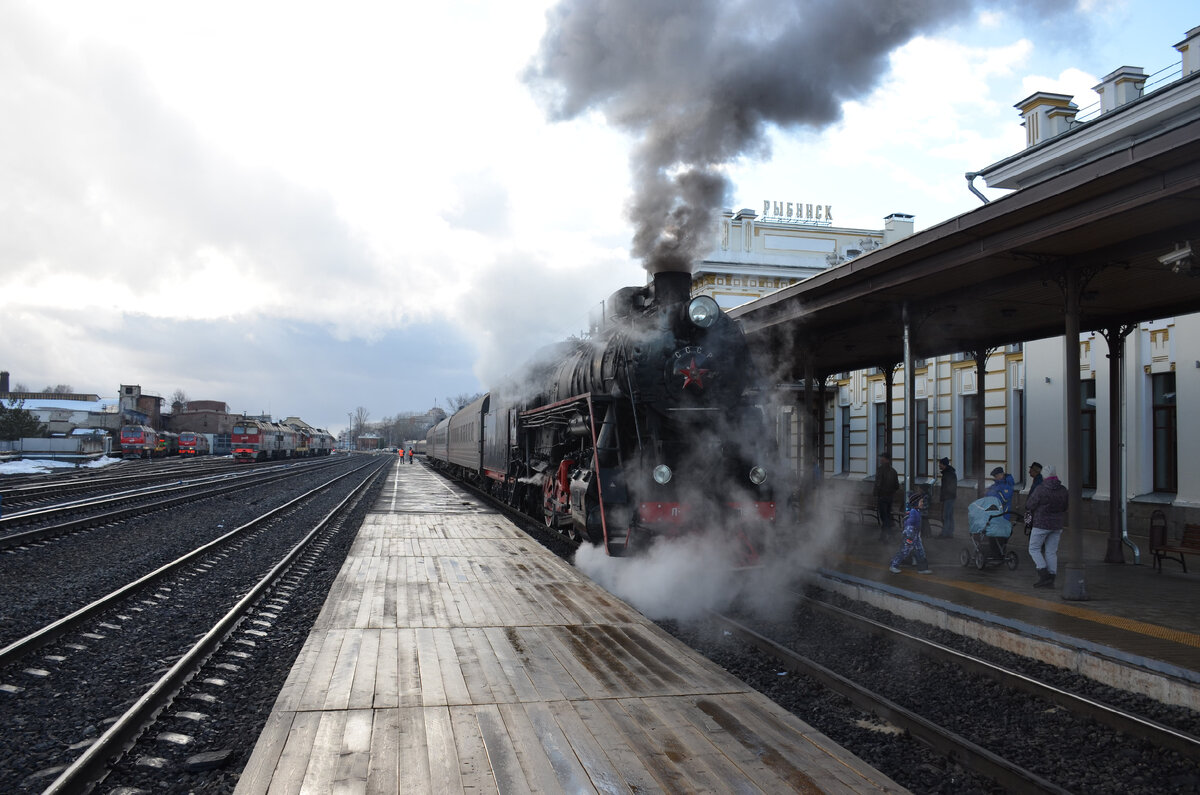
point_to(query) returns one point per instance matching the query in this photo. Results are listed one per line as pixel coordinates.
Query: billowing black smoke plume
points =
(700, 81)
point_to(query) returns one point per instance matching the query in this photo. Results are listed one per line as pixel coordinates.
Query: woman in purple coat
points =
(1048, 506)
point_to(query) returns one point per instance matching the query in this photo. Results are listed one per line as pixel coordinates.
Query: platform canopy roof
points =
(995, 275)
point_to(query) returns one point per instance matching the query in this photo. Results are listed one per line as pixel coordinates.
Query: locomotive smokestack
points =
(672, 287)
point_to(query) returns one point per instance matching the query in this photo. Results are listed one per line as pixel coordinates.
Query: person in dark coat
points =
(948, 494)
(887, 483)
(1035, 479)
(1048, 506)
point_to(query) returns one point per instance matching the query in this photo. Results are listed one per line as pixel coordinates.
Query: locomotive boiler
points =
(647, 429)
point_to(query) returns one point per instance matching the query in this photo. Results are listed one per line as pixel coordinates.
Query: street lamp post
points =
(350, 431)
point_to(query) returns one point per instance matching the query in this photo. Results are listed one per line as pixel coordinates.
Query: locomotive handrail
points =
(637, 429)
(557, 407)
(596, 469)
(559, 412)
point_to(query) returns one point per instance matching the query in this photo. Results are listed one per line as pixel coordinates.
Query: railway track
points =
(67, 517)
(48, 489)
(1004, 725)
(123, 657)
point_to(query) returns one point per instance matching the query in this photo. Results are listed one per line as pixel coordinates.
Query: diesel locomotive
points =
(259, 439)
(647, 429)
(138, 441)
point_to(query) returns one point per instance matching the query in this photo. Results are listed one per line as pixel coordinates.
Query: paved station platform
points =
(454, 654)
(1139, 629)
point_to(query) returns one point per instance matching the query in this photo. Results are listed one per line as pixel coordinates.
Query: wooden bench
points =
(1188, 544)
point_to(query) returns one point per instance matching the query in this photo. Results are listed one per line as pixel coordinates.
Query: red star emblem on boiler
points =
(693, 374)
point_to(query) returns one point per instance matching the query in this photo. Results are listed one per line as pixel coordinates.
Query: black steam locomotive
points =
(646, 430)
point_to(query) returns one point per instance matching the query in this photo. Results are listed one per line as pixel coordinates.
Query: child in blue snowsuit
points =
(910, 543)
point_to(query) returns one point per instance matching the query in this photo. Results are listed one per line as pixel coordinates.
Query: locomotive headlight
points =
(703, 311)
(758, 475)
(662, 474)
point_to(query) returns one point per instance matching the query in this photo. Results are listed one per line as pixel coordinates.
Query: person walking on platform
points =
(1048, 506)
(948, 494)
(887, 483)
(910, 543)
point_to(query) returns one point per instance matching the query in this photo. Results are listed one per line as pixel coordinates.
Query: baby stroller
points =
(989, 533)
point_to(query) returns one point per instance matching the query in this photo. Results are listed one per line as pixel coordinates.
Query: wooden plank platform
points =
(455, 654)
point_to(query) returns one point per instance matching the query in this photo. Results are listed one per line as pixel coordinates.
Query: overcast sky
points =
(302, 208)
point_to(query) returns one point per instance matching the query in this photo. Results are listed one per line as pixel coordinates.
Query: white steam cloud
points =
(684, 578)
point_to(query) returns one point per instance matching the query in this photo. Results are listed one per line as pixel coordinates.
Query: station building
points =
(1023, 383)
(789, 242)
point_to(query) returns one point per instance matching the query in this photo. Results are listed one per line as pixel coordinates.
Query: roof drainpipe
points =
(971, 175)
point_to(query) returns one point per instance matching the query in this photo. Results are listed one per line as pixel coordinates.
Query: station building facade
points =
(1023, 384)
(756, 254)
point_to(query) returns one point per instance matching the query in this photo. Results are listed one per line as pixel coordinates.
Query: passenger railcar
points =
(437, 442)
(193, 444)
(138, 441)
(464, 436)
(649, 429)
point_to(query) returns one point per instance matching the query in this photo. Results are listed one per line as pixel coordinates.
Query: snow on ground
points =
(30, 466)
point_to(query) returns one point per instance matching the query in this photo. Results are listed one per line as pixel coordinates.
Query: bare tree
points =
(179, 400)
(361, 415)
(457, 402)
(61, 389)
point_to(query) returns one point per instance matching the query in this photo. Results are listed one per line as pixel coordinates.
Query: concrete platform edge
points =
(1161, 681)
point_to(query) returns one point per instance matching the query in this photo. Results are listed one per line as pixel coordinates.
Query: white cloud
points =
(365, 174)
(940, 99)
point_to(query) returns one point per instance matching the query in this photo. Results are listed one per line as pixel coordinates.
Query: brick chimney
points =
(1119, 87)
(4, 382)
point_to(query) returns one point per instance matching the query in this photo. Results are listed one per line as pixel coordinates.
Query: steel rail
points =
(21, 493)
(133, 488)
(1120, 720)
(89, 769)
(55, 630)
(33, 514)
(971, 755)
(190, 494)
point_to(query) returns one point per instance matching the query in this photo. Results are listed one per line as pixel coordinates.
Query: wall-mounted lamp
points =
(1181, 259)
(1047, 379)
